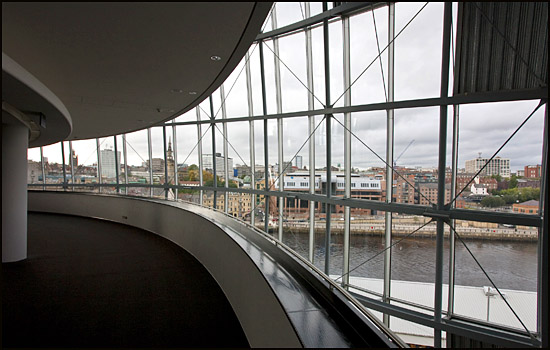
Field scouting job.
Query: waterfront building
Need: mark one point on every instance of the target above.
(528, 207)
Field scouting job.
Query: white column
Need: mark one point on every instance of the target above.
(15, 141)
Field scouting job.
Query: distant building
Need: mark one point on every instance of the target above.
(532, 171)
(298, 162)
(34, 172)
(108, 165)
(428, 193)
(287, 168)
(361, 187)
(529, 207)
(75, 159)
(479, 189)
(522, 183)
(497, 166)
(403, 191)
(208, 164)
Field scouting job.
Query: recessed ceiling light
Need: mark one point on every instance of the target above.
(192, 92)
(215, 58)
(179, 91)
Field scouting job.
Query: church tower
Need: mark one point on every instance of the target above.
(170, 162)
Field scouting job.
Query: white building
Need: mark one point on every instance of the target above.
(481, 189)
(300, 181)
(298, 162)
(207, 164)
(497, 166)
(108, 167)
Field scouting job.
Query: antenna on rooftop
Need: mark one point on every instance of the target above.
(479, 154)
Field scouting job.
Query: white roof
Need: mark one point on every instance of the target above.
(469, 301)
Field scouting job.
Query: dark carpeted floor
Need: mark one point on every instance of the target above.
(91, 283)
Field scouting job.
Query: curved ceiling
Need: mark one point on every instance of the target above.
(121, 67)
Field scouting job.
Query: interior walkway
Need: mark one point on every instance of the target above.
(92, 283)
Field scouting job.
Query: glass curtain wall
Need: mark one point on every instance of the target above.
(402, 207)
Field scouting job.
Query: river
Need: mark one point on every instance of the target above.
(511, 265)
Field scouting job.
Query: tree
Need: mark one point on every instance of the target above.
(513, 195)
(513, 182)
(492, 202)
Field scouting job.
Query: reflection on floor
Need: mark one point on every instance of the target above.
(91, 283)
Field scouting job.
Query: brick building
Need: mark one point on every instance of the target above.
(531, 171)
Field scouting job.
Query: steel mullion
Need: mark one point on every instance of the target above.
(165, 161)
(542, 249)
(451, 291)
(438, 298)
(279, 105)
(71, 163)
(43, 167)
(63, 165)
(175, 151)
(116, 166)
(150, 151)
(311, 128)
(125, 154)
(214, 170)
(199, 151)
(225, 161)
(347, 150)
(99, 180)
(266, 148)
(328, 121)
(251, 138)
(389, 160)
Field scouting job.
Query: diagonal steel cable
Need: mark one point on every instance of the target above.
(202, 136)
(383, 250)
(205, 112)
(541, 81)
(374, 60)
(139, 155)
(295, 76)
(379, 56)
(247, 58)
(76, 173)
(385, 163)
(229, 143)
(490, 280)
(498, 150)
(268, 17)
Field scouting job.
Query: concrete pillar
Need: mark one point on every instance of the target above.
(15, 141)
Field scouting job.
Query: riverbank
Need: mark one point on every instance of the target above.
(499, 234)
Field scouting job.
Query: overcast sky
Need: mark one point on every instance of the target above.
(483, 127)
